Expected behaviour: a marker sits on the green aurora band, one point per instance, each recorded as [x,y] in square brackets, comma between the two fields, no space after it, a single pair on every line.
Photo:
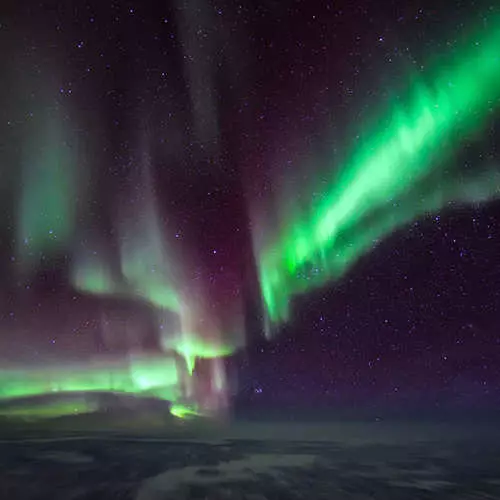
[51,409]
[192,346]
[395,163]
[396,166]
[146,263]
[146,270]
[72,388]
[47,203]
[152,377]
[150,273]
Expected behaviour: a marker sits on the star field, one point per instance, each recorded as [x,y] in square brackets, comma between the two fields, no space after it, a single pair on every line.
[236,106]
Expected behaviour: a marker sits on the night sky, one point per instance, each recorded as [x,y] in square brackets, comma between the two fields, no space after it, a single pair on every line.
[237,105]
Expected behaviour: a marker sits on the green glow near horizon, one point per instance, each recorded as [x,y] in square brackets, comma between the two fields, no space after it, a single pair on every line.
[47,203]
[406,147]
[147,265]
[156,377]
[182,411]
[152,376]
[50,409]
[146,376]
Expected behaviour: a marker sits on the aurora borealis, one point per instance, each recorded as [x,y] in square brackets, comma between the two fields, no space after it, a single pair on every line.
[171,206]
[47,207]
[382,185]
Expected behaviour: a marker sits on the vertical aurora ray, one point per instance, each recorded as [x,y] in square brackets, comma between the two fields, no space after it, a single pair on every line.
[411,144]
[147,271]
[47,205]
[146,265]
[156,275]
[150,271]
